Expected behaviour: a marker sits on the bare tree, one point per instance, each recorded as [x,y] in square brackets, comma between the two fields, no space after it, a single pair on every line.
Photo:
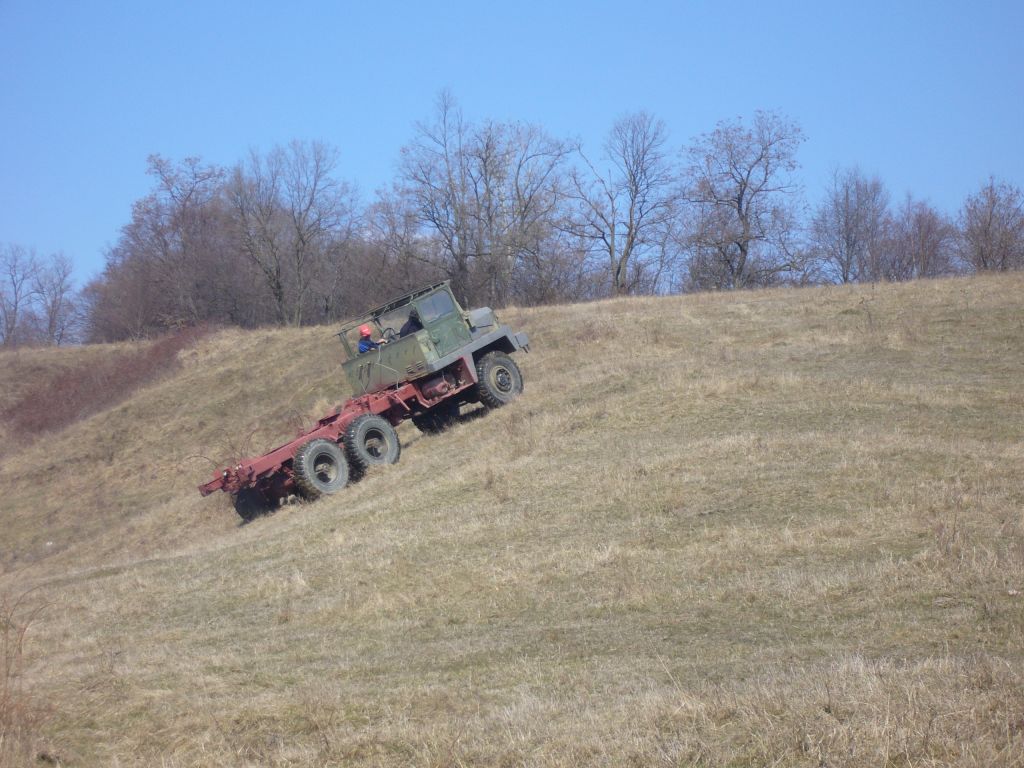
[126,301]
[560,270]
[992,228]
[178,228]
[292,217]
[488,193]
[623,211]
[254,191]
[176,261]
[18,270]
[849,227]
[744,203]
[407,255]
[323,218]
[269,244]
[59,308]
[38,301]
[435,169]
[522,203]
[171,265]
[920,243]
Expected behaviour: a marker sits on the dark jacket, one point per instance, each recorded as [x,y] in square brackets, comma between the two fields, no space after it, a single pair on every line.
[412,325]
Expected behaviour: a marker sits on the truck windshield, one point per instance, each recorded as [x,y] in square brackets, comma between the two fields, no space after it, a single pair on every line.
[433,307]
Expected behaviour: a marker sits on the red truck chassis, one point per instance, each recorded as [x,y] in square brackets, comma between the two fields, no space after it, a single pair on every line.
[271,474]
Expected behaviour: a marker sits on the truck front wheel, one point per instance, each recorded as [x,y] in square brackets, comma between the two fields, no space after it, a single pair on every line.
[320,468]
[499,379]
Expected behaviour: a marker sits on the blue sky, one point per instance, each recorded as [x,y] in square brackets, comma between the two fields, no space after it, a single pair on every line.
[929,96]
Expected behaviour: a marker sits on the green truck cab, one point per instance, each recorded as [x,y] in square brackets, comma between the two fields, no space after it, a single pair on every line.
[451,343]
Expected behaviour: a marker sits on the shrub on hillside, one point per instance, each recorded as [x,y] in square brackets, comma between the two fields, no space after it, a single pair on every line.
[84,390]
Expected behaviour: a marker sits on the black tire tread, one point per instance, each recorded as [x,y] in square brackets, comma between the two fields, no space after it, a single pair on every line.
[303,472]
[358,457]
[249,503]
[488,396]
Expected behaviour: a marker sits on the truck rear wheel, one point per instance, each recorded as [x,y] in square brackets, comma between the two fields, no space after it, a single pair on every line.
[438,418]
[371,440]
[320,468]
[250,504]
[499,379]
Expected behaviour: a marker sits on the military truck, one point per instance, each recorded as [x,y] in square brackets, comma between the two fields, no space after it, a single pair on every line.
[425,374]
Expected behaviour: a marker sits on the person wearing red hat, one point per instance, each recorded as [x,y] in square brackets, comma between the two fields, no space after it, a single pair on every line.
[365,342]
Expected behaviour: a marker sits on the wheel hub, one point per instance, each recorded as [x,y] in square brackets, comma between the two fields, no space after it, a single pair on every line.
[375,444]
[503,379]
[325,469]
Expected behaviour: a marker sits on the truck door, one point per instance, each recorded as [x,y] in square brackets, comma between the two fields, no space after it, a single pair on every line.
[443,322]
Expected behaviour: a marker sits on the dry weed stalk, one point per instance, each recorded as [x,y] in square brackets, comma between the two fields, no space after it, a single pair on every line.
[21,716]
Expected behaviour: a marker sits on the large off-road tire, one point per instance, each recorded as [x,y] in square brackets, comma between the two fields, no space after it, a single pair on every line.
[438,418]
[499,379]
[371,440]
[250,504]
[320,468]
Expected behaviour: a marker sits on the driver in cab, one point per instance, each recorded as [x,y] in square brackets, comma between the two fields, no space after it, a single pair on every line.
[365,342]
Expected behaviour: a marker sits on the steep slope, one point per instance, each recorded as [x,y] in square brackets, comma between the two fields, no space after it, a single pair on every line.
[121,484]
[716,529]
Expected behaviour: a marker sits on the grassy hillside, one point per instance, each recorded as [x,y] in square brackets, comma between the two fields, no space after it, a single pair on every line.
[24,372]
[774,528]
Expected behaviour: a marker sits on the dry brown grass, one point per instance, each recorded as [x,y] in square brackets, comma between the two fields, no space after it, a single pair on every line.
[777,528]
